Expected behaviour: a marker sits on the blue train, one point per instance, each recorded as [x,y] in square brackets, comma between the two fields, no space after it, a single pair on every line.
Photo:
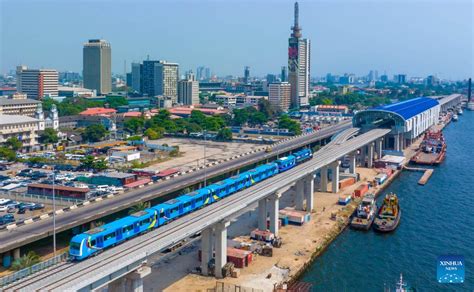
[95,240]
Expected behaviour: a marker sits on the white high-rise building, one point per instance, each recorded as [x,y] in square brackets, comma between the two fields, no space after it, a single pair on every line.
[299,62]
[188,90]
[279,95]
[37,83]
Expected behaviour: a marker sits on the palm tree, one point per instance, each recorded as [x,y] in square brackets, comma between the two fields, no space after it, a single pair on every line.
[139,207]
[26,261]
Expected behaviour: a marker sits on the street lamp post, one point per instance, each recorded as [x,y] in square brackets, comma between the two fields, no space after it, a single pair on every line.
[54,213]
[205,169]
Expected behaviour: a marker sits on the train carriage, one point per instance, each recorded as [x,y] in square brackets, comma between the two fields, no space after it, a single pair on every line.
[93,241]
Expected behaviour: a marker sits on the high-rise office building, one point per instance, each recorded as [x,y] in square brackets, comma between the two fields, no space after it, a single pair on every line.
[136,84]
[97,66]
[279,95]
[161,78]
[271,78]
[283,74]
[246,74]
[207,74]
[299,52]
[188,90]
[401,78]
[37,83]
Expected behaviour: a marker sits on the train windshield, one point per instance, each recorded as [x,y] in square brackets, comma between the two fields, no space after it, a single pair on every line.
[75,245]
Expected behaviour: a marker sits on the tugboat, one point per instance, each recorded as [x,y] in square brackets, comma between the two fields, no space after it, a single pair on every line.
[389,214]
[365,213]
[432,149]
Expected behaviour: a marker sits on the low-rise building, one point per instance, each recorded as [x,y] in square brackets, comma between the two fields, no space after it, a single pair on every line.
[330,109]
[127,155]
[114,179]
[59,191]
[22,127]
[98,111]
[21,107]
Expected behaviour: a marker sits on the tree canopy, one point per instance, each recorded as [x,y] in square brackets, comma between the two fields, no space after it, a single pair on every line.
[49,136]
[94,133]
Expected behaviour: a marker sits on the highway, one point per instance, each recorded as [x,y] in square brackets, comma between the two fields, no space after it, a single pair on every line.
[25,234]
[129,255]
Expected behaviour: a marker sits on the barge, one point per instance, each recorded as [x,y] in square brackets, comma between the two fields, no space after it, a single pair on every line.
[365,213]
[432,149]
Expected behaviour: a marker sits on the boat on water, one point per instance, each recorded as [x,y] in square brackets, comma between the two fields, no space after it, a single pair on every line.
[460,111]
[388,216]
[365,213]
[402,286]
[455,118]
[432,149]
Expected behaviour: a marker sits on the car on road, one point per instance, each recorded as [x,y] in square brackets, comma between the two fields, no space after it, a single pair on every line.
[8,218]
[3,208]
[36,207]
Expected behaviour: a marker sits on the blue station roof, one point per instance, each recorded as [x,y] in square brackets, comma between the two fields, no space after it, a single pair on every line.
[409,108]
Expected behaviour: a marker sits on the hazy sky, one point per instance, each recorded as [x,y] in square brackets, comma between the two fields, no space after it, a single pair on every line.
[400,36]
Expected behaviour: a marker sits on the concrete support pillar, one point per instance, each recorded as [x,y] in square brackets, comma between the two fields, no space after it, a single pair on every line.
[309,192]
[379,145]
[7,259]
[299,198]
[352,162]
[262,214]
[221,247]
[118,285]
[335,176]
[370,157]
[396,142]
[206,250]
[402,140]
[274,202]
[135,279]
[363,154]
[324,179]
[16,253]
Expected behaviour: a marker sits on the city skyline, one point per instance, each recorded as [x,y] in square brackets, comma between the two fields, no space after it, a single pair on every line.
[344,38]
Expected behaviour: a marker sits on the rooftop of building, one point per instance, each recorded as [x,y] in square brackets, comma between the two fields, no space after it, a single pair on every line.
[96,111]
[7,89]
[409,108]
[16,119]
[118,175]
[59,187]
[9,101]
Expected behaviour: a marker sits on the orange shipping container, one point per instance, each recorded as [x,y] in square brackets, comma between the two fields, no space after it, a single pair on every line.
[343,183]
[361,190]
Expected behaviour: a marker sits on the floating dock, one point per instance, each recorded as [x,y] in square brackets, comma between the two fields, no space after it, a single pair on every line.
[426,175]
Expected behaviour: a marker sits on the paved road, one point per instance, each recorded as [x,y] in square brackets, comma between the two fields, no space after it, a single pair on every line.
[130,254]
[25,234]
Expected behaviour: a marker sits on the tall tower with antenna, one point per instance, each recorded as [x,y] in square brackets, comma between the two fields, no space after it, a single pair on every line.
[298,64]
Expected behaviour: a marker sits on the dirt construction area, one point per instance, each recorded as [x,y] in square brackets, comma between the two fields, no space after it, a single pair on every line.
[192,152]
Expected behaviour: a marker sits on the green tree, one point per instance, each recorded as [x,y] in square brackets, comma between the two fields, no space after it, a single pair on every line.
[94,133]
[49,136]
[266,108]
[139,207]
[134,138]
[241,116]
[13,143]
[224,134]
[100,164]
[286,123]
[197,117]
[88,162]
[154,133]
[116,101]
[8,154]
[134,125]
[26,261]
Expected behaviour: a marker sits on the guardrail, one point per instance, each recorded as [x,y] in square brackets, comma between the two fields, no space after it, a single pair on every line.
[33,269]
